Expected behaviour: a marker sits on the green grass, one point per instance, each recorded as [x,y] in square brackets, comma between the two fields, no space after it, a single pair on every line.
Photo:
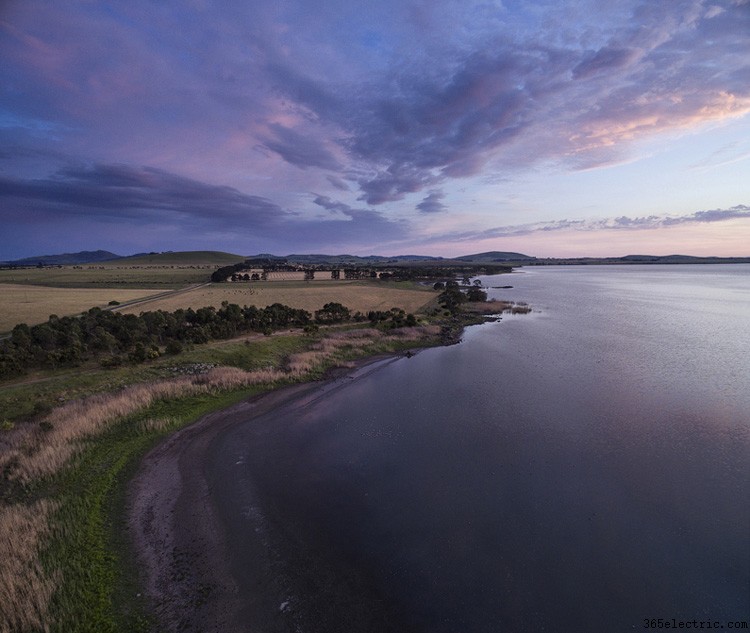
[99,587]
[39,392]
[110,276]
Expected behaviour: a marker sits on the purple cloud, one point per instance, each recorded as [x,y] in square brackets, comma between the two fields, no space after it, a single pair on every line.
[125,192]
[300,150]
[432,203]
[606,59]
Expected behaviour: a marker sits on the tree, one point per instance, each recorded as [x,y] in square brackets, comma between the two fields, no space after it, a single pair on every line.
[332,313]
[452,297]
[476,294]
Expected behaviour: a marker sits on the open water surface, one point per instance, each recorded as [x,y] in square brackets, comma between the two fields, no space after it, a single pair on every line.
[581,468]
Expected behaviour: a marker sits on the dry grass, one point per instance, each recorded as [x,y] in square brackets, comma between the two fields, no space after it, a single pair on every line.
[33,452]
[25,589]
[34,304]
[38,452]
[356,296]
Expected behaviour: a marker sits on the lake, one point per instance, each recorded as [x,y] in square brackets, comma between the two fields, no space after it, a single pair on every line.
[580,468]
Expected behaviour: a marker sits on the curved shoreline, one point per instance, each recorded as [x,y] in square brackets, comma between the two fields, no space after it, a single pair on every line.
[179,540]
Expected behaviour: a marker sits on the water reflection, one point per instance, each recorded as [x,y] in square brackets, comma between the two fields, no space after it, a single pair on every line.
[580,469]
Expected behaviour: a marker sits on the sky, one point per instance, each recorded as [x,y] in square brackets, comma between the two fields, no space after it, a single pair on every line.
[433,127]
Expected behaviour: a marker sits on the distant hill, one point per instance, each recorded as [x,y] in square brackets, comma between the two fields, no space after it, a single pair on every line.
[636,259]
[341,260]
[219,259]
[495,257]
[669,259]
[65,259]
[182,258]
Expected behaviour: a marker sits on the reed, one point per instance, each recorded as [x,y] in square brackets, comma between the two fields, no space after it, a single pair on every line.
[25,588]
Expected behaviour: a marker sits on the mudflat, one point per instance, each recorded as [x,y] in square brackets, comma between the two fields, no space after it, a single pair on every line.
[193,578]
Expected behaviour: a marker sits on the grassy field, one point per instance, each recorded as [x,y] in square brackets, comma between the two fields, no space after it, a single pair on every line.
[109,276]
[355,295]
[34,304]
[31,304]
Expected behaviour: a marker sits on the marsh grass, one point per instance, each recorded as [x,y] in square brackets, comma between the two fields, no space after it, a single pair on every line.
[64,474]
[25,587]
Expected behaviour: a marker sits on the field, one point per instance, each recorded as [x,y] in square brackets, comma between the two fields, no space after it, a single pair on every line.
[162,277]
[34,304]
[355,295]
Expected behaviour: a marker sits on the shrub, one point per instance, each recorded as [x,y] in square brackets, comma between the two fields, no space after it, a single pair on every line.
[174,348]
[109,362]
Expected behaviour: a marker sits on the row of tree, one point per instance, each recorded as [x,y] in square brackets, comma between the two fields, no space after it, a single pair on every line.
[395,273]
[113,338]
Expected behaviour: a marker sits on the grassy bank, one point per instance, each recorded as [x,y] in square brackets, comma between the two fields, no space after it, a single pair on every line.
[64,470]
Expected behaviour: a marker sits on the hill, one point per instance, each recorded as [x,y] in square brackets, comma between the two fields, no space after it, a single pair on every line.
[65,259]
[495,257]
[356,260]
[182,258]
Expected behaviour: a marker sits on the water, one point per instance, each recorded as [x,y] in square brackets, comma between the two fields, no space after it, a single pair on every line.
[581,468]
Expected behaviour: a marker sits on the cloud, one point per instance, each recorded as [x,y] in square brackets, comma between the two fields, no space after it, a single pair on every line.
[606,59]
[170,205]
[608,224]
[125,192]
[394,183]
[337,182]
[347,210]
[300,150]
[366,226]
[432,204]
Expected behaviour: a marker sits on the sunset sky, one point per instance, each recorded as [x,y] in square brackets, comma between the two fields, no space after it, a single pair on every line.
[433,127]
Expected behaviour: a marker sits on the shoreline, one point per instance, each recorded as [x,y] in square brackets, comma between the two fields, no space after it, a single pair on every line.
[178,540]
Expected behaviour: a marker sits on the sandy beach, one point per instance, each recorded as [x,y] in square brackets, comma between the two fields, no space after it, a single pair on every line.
[193,578]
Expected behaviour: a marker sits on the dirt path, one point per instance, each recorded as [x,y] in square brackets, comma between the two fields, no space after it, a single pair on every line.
[156,297]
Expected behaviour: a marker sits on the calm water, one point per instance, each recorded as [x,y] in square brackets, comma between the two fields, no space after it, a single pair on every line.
[581,468]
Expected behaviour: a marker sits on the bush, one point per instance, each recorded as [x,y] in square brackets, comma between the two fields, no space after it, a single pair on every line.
[174,348]
[109,362]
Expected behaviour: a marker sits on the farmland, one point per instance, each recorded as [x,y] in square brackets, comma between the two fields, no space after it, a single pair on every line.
[33,304]
[154,277]
[356,295]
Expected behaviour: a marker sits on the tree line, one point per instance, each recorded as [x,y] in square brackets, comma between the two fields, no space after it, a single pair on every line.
[392,273]
[113,338]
